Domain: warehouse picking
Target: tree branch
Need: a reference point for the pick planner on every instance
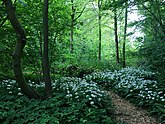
(81, 12)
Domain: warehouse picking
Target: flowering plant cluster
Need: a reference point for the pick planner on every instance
(74, 101)
(76, 89)
(11, 87)
(130, 81)
(138, 72)
(79, 89)
(103, 78)
(137, 85)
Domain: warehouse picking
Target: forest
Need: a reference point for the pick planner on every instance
(82, 61)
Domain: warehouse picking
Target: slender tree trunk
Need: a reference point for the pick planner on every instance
(17, 54)
(116, 37)
(41, 53)
(73, 20)
(71, 37)
(46, 67)
(72, 27)
(41, 44)
(99, 21)
(125, 33)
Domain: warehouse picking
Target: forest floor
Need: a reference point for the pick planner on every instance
(127, 113)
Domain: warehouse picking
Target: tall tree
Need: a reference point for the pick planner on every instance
(46, 66)
(72, 26)
(18, 51)
(116, 35)
(99, 21)
(125, 34)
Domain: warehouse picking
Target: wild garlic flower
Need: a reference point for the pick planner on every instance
(92, 103)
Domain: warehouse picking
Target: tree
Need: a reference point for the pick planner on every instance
(17, 54)
(115, 6)
(46, 67)
(152, 43)
(125, 34)
(73, 22)
(155, 10)
(116, 36)
(72, 27)
(99, 22)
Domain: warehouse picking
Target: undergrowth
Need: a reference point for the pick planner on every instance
(136, 85)
(74, 101)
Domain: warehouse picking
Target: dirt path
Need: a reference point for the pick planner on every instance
(129, 114)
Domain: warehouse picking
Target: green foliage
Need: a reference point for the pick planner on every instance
(159, 110)
(152, 44)
(153, 53)
(85, 39)
(68, 105)
(111, 4)
(74, 101)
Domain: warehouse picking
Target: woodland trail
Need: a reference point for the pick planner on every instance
(126, 113)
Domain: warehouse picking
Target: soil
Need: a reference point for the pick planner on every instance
(127, 113)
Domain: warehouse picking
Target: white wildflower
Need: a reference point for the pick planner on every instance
(146, 88)
(9, 85)
(160, 92)
(92, 95)
(68, 91)
(92, 103)
(161, 97)
(90, 98)
(8, 88)
(19, 94)
(77, 97)
(10, 92)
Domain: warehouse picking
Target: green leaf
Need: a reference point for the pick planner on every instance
(2, 47)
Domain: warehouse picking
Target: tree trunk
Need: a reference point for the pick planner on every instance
(125, 33)
(17, 54)
(99, 21)
(46, 67)
(116, 36)
(72, 27)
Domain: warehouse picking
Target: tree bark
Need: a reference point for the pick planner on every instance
(17, 54)
(125, 34)
(99, 21)
(72, 27)
(46, 66)
(116, 36)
